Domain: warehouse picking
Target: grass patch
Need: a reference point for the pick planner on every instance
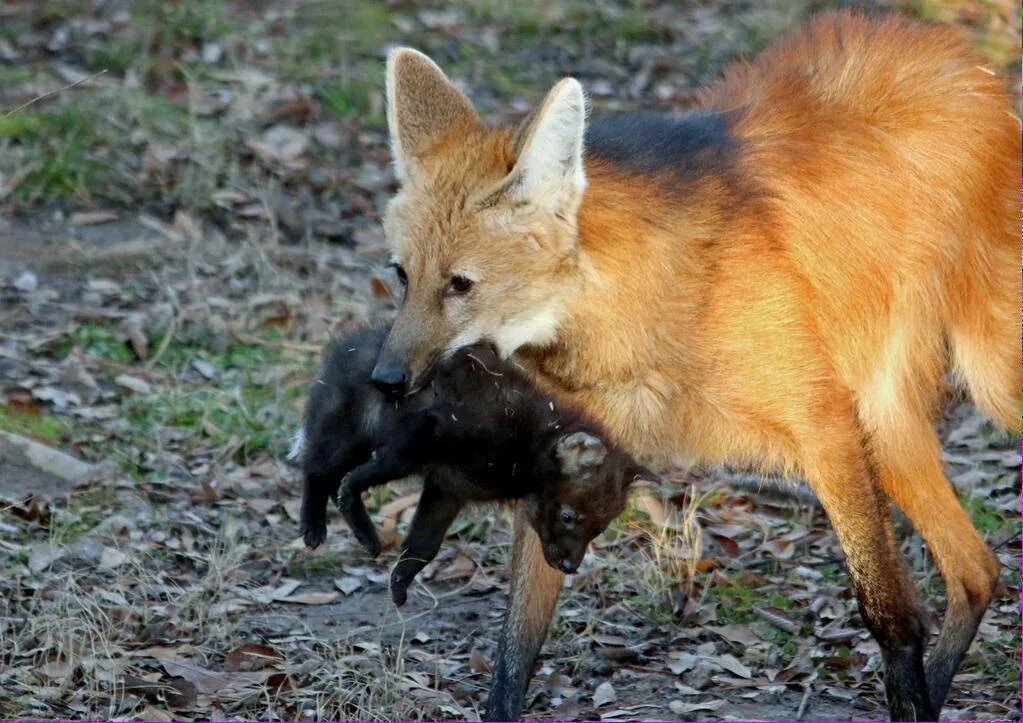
(40, 425)
(242, 418)
(100, 340)
(87, 511)
(986, 518)
(313, 565)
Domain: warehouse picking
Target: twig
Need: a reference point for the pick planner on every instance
(52, 93)
(247, 338)
(803, 702)
(172, 325)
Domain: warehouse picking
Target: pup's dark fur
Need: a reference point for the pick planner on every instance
(479, 432)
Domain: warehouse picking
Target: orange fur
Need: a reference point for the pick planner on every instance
(795, 312)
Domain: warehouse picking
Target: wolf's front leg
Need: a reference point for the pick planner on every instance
(434, 514)
(532, 598)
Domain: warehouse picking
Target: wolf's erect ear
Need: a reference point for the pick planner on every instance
(549, 168)
(578, 452)
(422, 105)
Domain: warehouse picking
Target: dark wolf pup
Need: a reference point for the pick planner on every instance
(478, 432)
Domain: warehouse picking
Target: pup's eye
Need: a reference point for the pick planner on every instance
(459, 285)
(567, 516)
(400, 273)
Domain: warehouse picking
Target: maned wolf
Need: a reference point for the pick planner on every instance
(480, 431)
(778, 279)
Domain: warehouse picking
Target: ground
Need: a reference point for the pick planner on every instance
(182, 230)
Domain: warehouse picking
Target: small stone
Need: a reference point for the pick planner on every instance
(27, 282)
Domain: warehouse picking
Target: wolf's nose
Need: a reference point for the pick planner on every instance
(389, 377)
(567, 566)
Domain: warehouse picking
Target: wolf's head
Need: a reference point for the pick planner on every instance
(483, 229)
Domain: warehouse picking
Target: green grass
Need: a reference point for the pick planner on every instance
(246, 417)
(737, 603)
(100, 340)
(986, 518)
(322, 564)
(84, 513)
(45, 427)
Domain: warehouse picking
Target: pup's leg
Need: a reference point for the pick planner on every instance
(399, 458)
(434, 515)
(387, 464)
(324, 466)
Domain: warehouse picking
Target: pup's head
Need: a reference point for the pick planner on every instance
(588, 489)
(483, 229)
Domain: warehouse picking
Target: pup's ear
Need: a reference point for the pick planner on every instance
(422, 106)
(549, 171)
(579, 451)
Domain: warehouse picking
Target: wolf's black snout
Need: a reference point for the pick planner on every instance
(390, 377)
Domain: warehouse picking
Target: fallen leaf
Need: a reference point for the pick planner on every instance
(112, 558)
(732, 665)
(679, 708)
(604, 694)
(478, 662)
(134, 383)
(176, 691)
(212, 681)
(205, 368)
(310, 598)
(44, 555)
(91, 218)
(251, 656)
(348, 584)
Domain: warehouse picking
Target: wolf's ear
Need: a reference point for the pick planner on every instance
(549, 166)
(579, 451)
(422, 105)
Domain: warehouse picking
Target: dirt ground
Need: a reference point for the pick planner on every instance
(181, 233)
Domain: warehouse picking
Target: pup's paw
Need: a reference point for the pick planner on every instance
(358, 520)
(369, 539)
(313, 533)
(399, 588)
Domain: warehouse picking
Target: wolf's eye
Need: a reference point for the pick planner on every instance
(459, 285)
(400, 273)
(567, 516)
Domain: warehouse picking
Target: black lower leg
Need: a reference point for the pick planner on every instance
(904, 679)
(386, 464)
(313, 517)
(434, 515)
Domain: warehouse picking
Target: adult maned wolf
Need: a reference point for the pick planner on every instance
(778, 279)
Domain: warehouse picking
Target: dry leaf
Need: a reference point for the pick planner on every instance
(310, 598)
(252, 656)
(212, 681)
(679, 708)
(604, 694)
(732, 665)
(348, 584)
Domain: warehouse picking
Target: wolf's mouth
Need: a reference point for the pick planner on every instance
(420, 382)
